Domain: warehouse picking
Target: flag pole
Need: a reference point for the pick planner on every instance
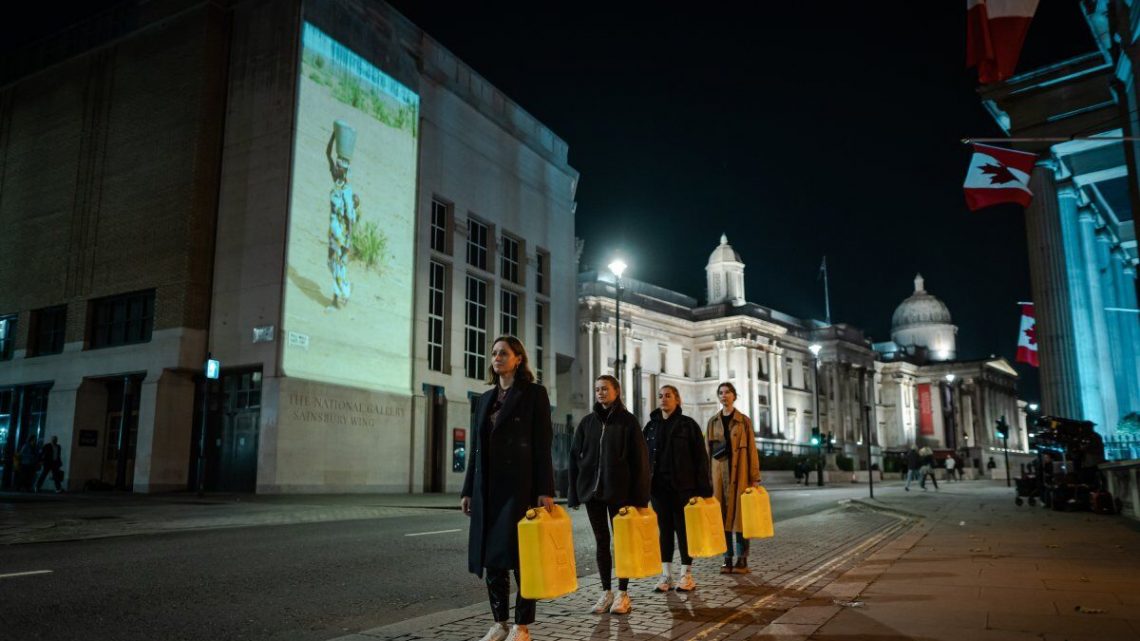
(966, 141)
(826, 292)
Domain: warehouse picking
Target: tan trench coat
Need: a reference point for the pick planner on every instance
(745, 465)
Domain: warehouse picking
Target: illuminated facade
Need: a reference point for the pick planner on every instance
(902, 390)
(1080, 226)
(899, 390)
(318, 195)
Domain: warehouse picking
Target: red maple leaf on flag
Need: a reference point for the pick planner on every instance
(999, 174)
(1031, 333)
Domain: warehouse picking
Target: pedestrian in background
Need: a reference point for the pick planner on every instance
(735, 466)
(29, 455)
(913, 463)
(927, 469)
(510, 472)
(52, 461)
(609, 468)
(679, 470)
(950, 463)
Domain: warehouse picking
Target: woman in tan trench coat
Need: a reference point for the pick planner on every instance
(735, 466)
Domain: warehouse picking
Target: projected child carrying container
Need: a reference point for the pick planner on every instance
(348, 294)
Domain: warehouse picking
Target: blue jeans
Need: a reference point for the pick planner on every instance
(911, 475)
(742, 545)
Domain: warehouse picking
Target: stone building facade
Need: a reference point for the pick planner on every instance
(157, 171)
(896, 394)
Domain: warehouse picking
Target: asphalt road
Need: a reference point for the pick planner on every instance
(306, 582)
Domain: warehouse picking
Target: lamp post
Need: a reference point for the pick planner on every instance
(952, 428)
(617, 267)
(815, 348)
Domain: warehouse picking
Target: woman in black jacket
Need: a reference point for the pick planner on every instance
(609, 468)
(679, 470)
(510, 471)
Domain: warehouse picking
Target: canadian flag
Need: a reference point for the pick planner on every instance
(995, 31)
(1027, 339)
(998, 175)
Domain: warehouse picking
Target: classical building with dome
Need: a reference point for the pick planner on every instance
(909, 390)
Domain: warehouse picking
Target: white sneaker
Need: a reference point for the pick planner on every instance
(604, 602)
(621, 603)
(518, 634)
(498, 632)
(686, 583)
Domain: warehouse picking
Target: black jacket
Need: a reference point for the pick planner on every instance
(509, 469)
(677, 453)
(609, 461)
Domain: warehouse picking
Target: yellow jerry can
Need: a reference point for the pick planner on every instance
(756, 513)
(546, 554)
(704, 527)
(637, 551)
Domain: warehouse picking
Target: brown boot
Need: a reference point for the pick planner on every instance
(727, 567)
(741, 566)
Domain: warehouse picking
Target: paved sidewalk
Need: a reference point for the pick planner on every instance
(49, 517)
(40, 518)
(978, 567)
(807, 553)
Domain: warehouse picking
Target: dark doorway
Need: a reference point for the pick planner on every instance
(437, 449)
(122, 429)
(241, 428)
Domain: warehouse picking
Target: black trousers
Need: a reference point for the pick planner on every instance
(670, 509)
(601, 517)
(499, 592)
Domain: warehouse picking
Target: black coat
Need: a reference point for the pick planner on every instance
(510, 468)
(681, 457)
(609, 461)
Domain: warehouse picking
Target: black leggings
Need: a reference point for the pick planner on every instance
(601, 516)
(499, 593)
(670, 509)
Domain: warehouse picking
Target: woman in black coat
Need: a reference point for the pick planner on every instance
(679, 469)
(510, 471)
(609, 469)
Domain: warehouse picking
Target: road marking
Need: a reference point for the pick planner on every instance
(436, 532)
(16, 574)
(807, 580)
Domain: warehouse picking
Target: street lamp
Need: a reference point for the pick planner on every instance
(617, 267)
(952, 428)
(815, 348)
(1033, 407)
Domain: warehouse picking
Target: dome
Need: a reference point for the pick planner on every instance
(724, 253)
(924, 321)
(920, 309)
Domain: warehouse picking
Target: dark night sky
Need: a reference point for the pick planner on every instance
(799, 132)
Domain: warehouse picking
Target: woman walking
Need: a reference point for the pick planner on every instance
(609, 468)
(735, 466)
(679, 470)
(511, 471)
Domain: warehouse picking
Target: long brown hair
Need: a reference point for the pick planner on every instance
(613, 383)
(523, 373)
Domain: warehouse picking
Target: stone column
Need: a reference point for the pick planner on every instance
(1125, 287)
(1055, 338)
(752, 389)
(773, 391)
(1097, 351)
(1087, 382)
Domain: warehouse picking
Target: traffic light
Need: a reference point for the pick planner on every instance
(830, 442)
(815, 436)
(1002, 428)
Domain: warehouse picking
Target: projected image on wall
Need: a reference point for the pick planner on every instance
(348, 295)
